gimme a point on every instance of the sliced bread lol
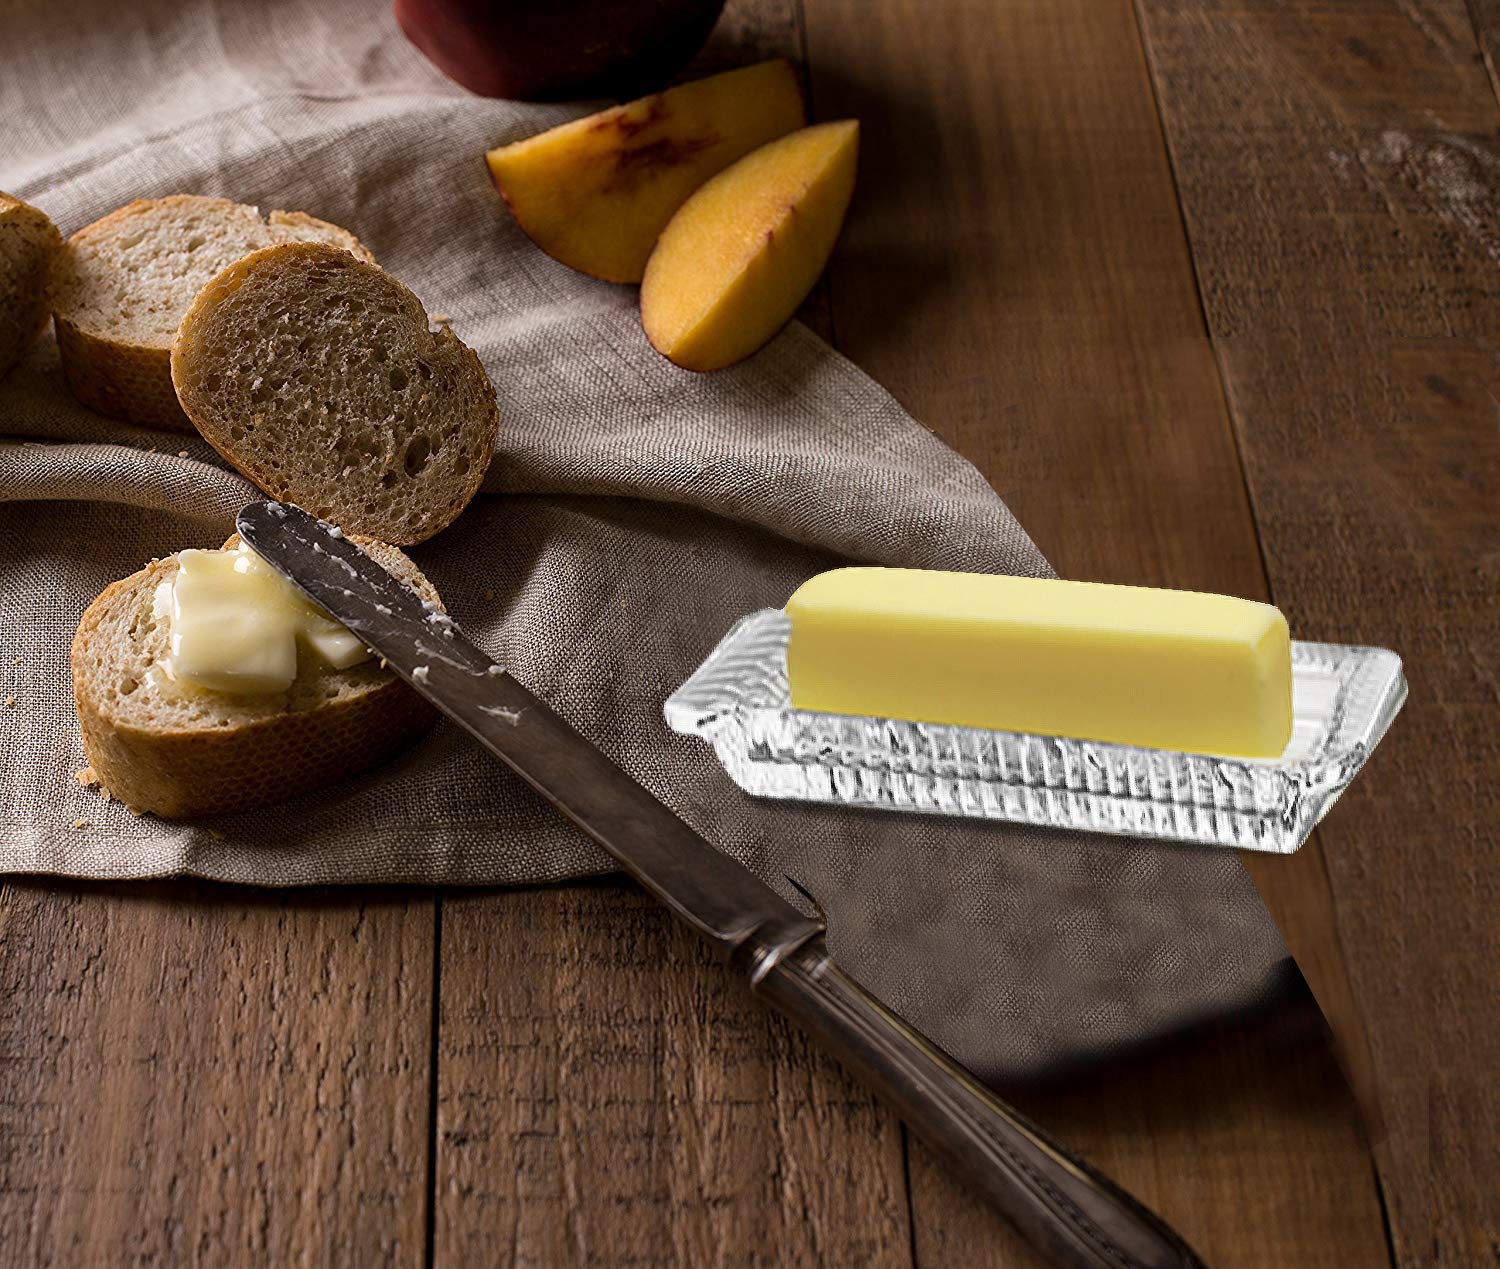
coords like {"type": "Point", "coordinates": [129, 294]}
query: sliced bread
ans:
{"type": "Point", "coordinates": [317, 376]}
{"type": "Point", "coordinates": [121, 286]}
{"type": "Point", "coordinates": [180, 752]}
{"type": "Point", "coordinates": [28, 244]}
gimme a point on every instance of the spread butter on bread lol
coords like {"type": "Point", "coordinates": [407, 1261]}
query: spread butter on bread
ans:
{"type": "Point", "coordinates": [161, 745]}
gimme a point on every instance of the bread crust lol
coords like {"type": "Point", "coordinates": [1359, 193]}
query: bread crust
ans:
{"type": "Point", "coordinates": [24, 308]}
{"type": "Point", "coordinates": [130, 381]}
{"type": "Point", "coordinates": [189, 772]}
{"type": "Point", "coordinates": [118, 379]}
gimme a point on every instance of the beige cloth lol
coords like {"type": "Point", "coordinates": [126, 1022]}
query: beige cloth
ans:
{"type": "Point", "coordinates": [632, 513]}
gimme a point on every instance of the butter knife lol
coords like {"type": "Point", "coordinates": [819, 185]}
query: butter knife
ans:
{"type": "Point", "coordinates": [1074, 1215]}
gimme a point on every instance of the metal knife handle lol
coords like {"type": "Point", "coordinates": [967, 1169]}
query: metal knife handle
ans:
{"type": "Point", "coordinates": [1074, 1215]}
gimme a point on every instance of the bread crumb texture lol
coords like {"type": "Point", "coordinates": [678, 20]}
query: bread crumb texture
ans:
{"type": "Point", "coordinates": [121, 286]}
{"type": "Point", "coordinates": [317, 376]}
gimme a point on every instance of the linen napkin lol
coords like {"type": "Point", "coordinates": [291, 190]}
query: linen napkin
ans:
{"type": "Point", "coordinates": [633, 511]}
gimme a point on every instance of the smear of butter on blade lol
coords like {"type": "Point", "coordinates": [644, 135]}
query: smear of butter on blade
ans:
{"type": "Point", "coordinates": [503, 713]}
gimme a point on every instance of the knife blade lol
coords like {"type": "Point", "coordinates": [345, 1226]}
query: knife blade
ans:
{"type": "Point", "coordinates": [727, 904]}
{"type": "Point", "coordinates": [1073, 1214]}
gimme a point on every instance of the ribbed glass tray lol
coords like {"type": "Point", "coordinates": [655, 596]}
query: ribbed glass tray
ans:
{"type": "Point", "coordinates": [1343, 699]}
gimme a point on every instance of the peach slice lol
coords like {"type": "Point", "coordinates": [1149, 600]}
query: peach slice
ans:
{"type": "Point", "coordinates": [744, 251]}
{"type": "Point", "coordinates": [596, 193]}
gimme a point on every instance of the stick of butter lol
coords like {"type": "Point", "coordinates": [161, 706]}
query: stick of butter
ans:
{"type": "Point", "coordinates": [1163, 669]}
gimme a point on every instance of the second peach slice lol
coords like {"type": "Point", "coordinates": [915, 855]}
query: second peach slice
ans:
{"type": "Point", "coordinates": [742, 253]}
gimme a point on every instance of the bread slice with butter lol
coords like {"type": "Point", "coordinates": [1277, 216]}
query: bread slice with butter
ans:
{"type": "Point", "coordinates": [317, 375]}
{"type": "Point", "coordinates": [29, 242]}
{"type": "Point", "coordinates": [121, 285]}
{"type": "Point", "coordinates": [160, 744]}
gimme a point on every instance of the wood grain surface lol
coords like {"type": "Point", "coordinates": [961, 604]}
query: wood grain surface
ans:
{"type": "Point", "coordinates": [1210, 291]}
{"type": "Point", "coordinates": [1351, 278]}
{"type": "Point", "coordinates": [212, 1075]}
{"type": "Point", "coordinates": [618, 1099]}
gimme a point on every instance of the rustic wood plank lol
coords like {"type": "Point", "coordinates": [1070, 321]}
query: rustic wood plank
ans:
{"type": "Point", "coordinates": [1266, 1145]}
{"type": "Point", "coordinates": [1342, 165]}
{"type": "Point", "coordinates": [1390, 535]}
{"type": "Point", "coordinates": [610, 1095]}
{"type": "Point", "coordinates": [1351, 272]}
{"type": "Point", "coordinates": [1016, 272]}
{"type": "Point", "coordinates": [200, 1074]}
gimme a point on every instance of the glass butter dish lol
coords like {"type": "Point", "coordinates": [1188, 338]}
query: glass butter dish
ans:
{"type": "Point", "coordinates": [1343, 700]}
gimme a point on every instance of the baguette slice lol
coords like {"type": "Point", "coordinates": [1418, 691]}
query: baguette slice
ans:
{"type": "Point", "coordinates": [182, 753]}
{"type": "Point", "coordinates": [122, 284]}
{"type": "Point", "coordinates": [28, 244]}
{"type": "Point", "coordinates": [316, 375]}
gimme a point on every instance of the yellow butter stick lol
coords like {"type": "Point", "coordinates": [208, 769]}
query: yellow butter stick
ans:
{"type": "Point", "coordinates": [1132, 665]}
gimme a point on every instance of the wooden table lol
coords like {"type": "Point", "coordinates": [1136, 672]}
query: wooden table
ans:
{"type": "Point", "coordinates": [1210, 290]}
